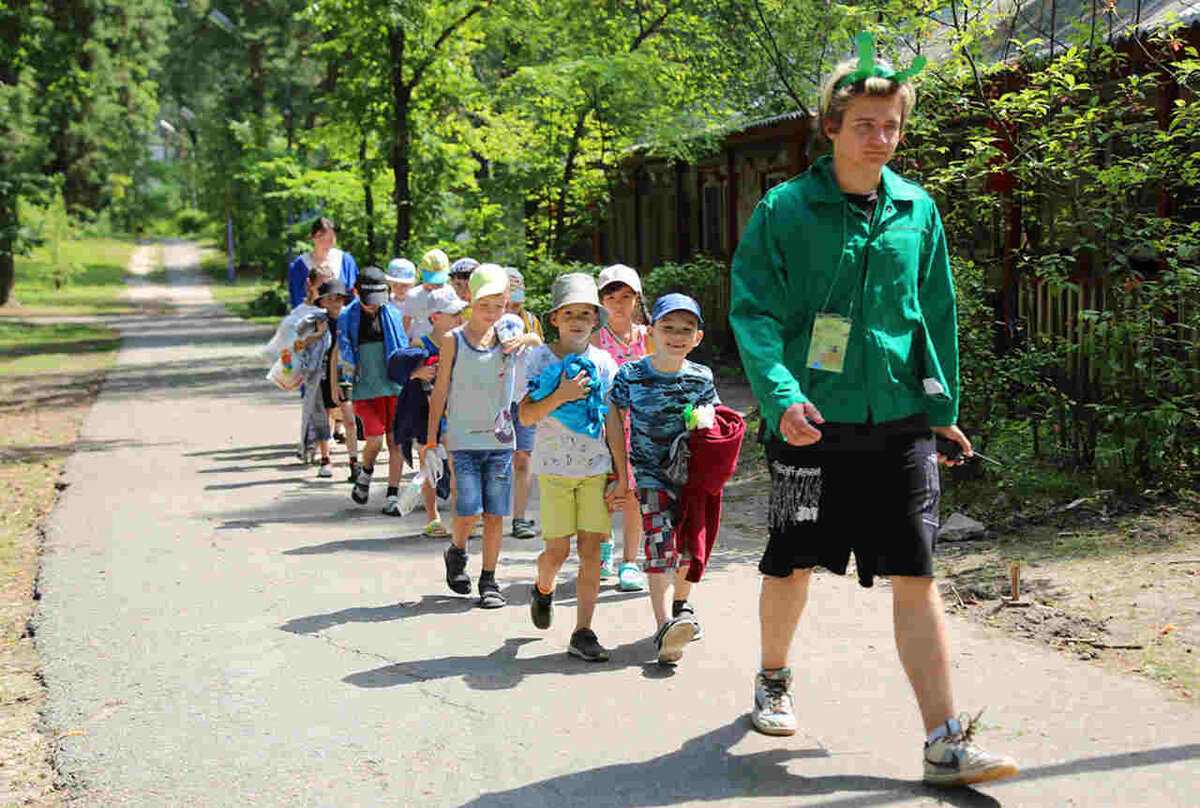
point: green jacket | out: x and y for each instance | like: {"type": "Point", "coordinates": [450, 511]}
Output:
{"type": "Point", "coordinates": [805, 244]}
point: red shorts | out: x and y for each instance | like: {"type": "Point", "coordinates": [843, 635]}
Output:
{"type": "Point", "coordinates": [663, 553]}
{"type": "Point", "coordinates": [377, 415]}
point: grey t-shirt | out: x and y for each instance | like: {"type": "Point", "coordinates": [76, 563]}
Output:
{"type": "Point", "coordinates": [416, 308]}
{"type": "Point", "coordinates": [480, 398]}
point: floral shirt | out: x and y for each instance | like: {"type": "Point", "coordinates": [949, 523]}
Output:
{"type": "Point", "coordinates": [622, 351]}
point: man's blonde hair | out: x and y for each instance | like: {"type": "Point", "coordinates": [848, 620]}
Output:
{"type": "Point", "coordinates": [835, 100]}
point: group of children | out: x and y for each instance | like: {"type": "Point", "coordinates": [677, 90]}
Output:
{"type": "Point", "coordinates": [610, 401]}
{"type": "Point", "coordinates": [447, 358]}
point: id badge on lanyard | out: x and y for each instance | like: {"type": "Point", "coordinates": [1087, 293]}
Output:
{"type": "Point", "coordinates": [827, 348]}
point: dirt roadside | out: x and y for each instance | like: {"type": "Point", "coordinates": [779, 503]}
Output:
{"type": "Point", "coordinates": [1115, 582]}
{"type": "Point", "coordinates": [42, 426]}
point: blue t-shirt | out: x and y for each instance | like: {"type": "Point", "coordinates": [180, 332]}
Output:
{"type": "Point", "coordinates": [656, 402]}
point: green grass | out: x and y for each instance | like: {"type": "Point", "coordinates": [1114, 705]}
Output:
{"type": "Point", "coordinates": [94, 288]}
{"type": "Point", "coordinates": [237, 296]}
{"type": "Point", "coordinates": [33, 348]}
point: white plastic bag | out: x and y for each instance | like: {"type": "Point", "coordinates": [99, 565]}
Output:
{"type": "Point", "coordinates": [284, 373]}
{"type": "Point", "coordinates": [285, 334]}
{"type": "Point", "coordinates": [410, 494]}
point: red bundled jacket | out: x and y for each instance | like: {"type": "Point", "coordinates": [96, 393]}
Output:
{"type": "Point", "coordinates": [714, 458]}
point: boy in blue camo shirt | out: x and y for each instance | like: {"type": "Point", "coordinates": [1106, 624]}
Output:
{"type": "Point", "coordinates": [655, 390]}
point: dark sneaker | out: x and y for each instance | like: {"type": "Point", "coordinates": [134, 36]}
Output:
{"type": "Point", "coordinates": [585, 646]}
{"type": "Point", "coordinates": [523, 529]}
{"type": "Point", "coordinates": [541, 607]}
{"type": "Point", "coordinates": [955, 760]}
{"type": "Point", "coordinates": [685, 609]}
{"type": "Point", "coordinates": [773, 713]}
{"type": "Point", "coordinates": [361, 491]}
{"type": "Point", "coordinates": [672, 637]}
{"type": "Point", "coordinates": [490, 596]}
{"type": "Point", "coordinates": [456, 570]}
{"type": "Point", "coordinates": [354, 469]}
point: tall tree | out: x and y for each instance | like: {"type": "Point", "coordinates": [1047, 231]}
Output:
{"type": "Point", "coordinates": [20, 28]}
{"type": "Point", "coordinates": [96, 92]}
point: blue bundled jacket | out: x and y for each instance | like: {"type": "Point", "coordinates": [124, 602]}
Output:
{"type": "Point", "coordinates": [586, 415]}
{"type": "Point", "coordinates": [395, 342]}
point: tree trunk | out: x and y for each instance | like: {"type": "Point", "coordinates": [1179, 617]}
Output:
{"type": "Point", "coordinates": [556, 241]}
{"type": "Point", "coordinates": [71, 139]}
{"type": "Point", "coordinates": [368, 199]}
{"type": "Point", "coordinates": [401, 96]}
{"type": "Point", "coordinates": [10, 40]}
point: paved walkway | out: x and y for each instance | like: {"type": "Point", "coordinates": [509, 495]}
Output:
{"type": "Point", "coordinates": [219, 627]}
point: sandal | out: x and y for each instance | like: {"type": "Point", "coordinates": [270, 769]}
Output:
{"type": "Point", "coordinates": [436, 529]}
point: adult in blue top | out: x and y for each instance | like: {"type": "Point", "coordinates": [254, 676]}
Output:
{"type": "Point", "coordinates": [324, 236]}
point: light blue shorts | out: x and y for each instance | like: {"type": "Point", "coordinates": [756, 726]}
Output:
{"type": "Point", "coordinates": [526, 435]}
{"type": "Point", "coordinates": [484, 478]}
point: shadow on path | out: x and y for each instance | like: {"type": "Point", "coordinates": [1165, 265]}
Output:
{"type": "Point", "coordinates": [704, 770]}
{"type": "Point", "coordinates": [503, 670]}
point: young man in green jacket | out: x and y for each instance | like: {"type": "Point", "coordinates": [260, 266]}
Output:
{"type": "Point", "coordinates": [843, 309]}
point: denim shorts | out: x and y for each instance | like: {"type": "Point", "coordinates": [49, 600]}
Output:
{"type": "Point", "coordinates": [484, 478]}
{"type": "Point", "coordinates": [526, 435]}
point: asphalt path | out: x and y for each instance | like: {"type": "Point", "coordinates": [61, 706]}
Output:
{"type": "Point", "coordinates": [220, 627]}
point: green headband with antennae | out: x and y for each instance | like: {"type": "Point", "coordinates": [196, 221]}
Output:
{"type": "Point", "coordinates": [867, 67]}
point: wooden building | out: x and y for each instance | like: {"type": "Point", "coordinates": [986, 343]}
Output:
{"type": "Point", "coordinates": [670, 212]}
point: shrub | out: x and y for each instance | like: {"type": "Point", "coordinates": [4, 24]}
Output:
{"type": "Point", "coordinates": [191, 222]}
{"type": "Point", "coordinates": [271, 303]}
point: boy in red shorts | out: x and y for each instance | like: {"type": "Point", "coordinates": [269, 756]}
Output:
{"type": "Point", "coordinates": [370, 332]}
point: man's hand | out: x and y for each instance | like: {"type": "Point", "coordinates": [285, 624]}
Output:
{"type": "Point", "coordinates": [796, 424]}
{"type": "Point", "coordinates": [955, 434]}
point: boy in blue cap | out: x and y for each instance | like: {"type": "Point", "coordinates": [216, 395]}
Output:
{"type": "Point", "coordinates": [655, 390]}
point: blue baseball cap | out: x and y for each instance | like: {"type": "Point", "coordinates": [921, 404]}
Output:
{"type": "Point", "coordinates": [675, 301]}
{"type": "Point", "coordinates": [401, 270]}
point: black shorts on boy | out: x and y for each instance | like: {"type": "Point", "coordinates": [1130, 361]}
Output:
{"type": "Point", "coordinates": [870, 489]}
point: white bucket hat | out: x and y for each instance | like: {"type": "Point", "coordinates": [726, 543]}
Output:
{"type": "Point", "coordinates": [577, 287]}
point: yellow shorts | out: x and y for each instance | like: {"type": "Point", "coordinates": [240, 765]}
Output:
{"type": "Point", "coordinates": [572, 504]}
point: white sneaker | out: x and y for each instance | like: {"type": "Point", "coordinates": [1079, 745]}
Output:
{"type": "Point", "coordinates": [954, 760]}
{"type": "Point", "coordinates": [392, 506]}
{"type": "Point", "coordinates": [774, 711]}
{"type": "Point", "coordinates": [325, 470]}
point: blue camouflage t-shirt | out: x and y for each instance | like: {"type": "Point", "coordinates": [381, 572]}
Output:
{"type": "Point", "coordinates": [656, 402]}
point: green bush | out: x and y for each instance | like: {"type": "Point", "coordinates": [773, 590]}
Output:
{"type": "Point", "coordinates": [191, 222]}
{"type": "Point", "coordinates": [700, 278]}
{"type": "Point", "coordinates": [271, 303]}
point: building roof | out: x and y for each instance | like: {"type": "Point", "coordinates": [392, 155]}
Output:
{"type": "Point", "coordinates": [1026, 20]}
